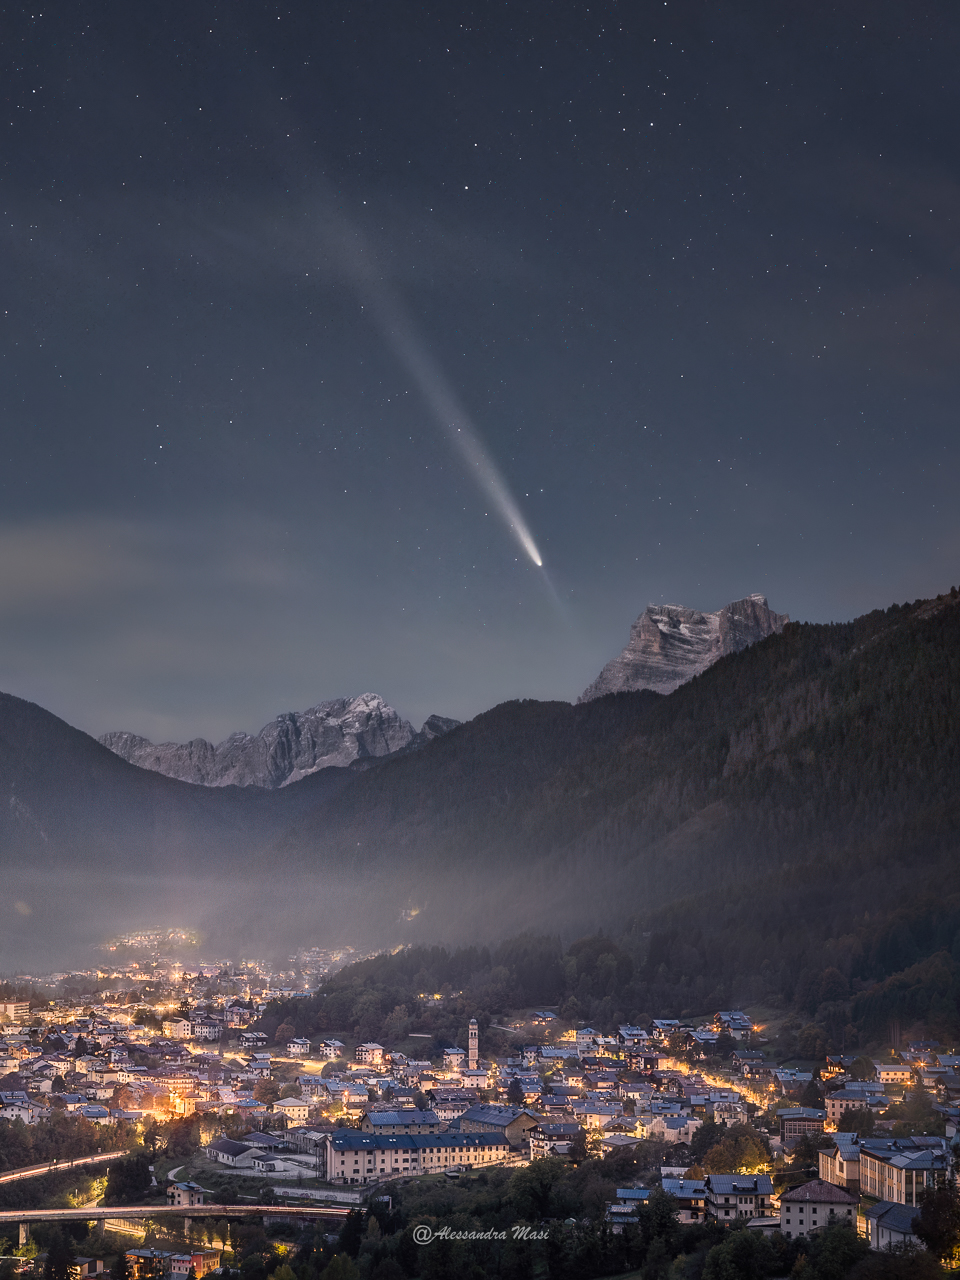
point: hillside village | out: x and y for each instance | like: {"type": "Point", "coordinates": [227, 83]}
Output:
{"type": "Point", "coordinates": [704, 1112]}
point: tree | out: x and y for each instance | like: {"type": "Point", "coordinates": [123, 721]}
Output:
{"type": "Point", "coordinates": [578, 1147]}
{"type": "Point", "coordinates": [351, 1235]}
{"type": "Point", "coordinates": [857, 1120]}
{"type": "Point", "coordinates": [120, 1270]}
{"type": "Point", "coordinates": [812, 1095]}
{"type": "Point", "coordinates": [61, 1257]}
{"type": "Point", "coordinates": [906, 1261]}
{"type": "Point", "coordinates": [128, 1180]}
{"type": "Point", "coordinates": [806, 1149]}
{"type": "Point", "coordinates": [862, 1068]}
{"type": "Point", "coordinates": [515, 1093]}
{"type": "Point", "coordinates": [340, 1267]}
{"type": "Point", "coordinates": [707, 1136]}
{"type": "Point", "coordinates": [938, 1222]}
{"type": "Point", "coordinates": [59, 1084]}
{"type": "Point", "coordinates": [266, 1091]}
{"type": "Point", "coordinates": [79, 1047]}
{"type": "Point", "coordinates": [746, 1255]}
{"type": "Point", "coordinates": [152, 1138]}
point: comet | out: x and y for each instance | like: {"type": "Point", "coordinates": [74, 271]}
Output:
{"type": "Point", "coordinates": [400, 333]}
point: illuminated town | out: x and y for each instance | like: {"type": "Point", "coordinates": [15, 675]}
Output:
{"type": "Point", "coordinates": [185, 1058]}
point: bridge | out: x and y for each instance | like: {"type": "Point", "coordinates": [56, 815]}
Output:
{"type": "Point", "coordinates": [58, 1166]}
{"type": "Point", "coordinates": [102, 1214]}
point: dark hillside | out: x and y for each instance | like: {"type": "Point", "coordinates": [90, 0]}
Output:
{"type": "Point", "coordinates": [772, 815]}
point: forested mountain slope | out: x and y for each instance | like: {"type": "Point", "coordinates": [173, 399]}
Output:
{"type": "Point", "coordinates": [772, 816]}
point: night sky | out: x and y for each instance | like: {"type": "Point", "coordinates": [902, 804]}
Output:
{"type": "Point", "coordinates": [297, 300]}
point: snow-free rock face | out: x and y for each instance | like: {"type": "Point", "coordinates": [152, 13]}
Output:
{"type": "Point", "coordinates": [294, 745]}
{"type": "Point", "coordinates": [670, 645]}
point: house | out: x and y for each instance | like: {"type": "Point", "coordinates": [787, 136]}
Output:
{"type": "Point", "coordinates": [900, 1169]}
{"type": "Point", "coordinates": [631, 1037]}
{"type": "Point", "coordinates": [691, 1197]}
{"type": "Point", "coordinates": [185, 1193]}
{"type": "Point", "coordinates": [840, 1164]}
{"type": "Point", "coordinates": [407, 1120]}
{"type": "Point", "coordinates": [96, 1114]}
{"type": "Point", "coordinates": [885, 1224]}
{"type": "Point", "coordinates": [815, 1205]}
{"type": "Point", "coordinates": [206, 1029]}
{"type": "Point", "coordinates": [552, 1139]}
{"type": "Point", "coordinates": [253, 1039]}
{"type": "Point", "coordinates": [265, 1162]}
{"type": "Point", "coordinates": [628, 1204]}
{"type": "Point", "coordinates": [734, 1022]}
{"type": "Point", "coordinates": [852, 1099]}
{"type": "Point", "coordinates": [739, 1195]}
{"type": "Point", "coordinates": [514, 1123]}
{"type": "Point", "coordinates": [330, 1049]}
{"type": "Point", "coordinates": [295, 1109]}
{"type": "Point", "coordinates": [369, 1053]}
{"type": "Point", "coordinates": [747, 1061]}
{"type": "Point", "coordinates": [15, 1010]}
{"type": "Point", "coordinates": [177, 1028]}
{"type": "Point", "coordinates": [663, 1028]}
{"type": "Point", "coordinates": [450, 1104]}
{"type": "Point", "coordinates": [226, 1151]}
{"type": "Point", "coordinates": [796, 1121]}
{"type": "Point", "coordinates": [586, 1040]}
{"type": "Point", "coordinates": [836, 1065]}
{"type": "Point", "coordinates": [893, 1073]}
{"type": "Point", "coordinates": [453, 1058]}
{"type": "Point", "coordinates": [87, 1268]}
{"type": "Point", "coordinates": [146, 1264]}
{"type": "Point", "coordinates": [674, 1129]}
{"type": "Point", "coordinates": [354, 1157]}
{"type": "Point", "coordinates": [201, 1261]}
{"type": "Point", "coordinates": [298, 1048]}
{"type": "Point", "coordinates": [17, 1106]}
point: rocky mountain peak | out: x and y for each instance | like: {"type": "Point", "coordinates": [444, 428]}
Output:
{"type": "Point", "coordinates": [290, 747]}
{"type": "Point", "coordinates": [670, 644]}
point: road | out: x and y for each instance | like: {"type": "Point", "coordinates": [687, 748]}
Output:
{"type": "Point", "coordinates": [56, 1166]}
{"type": "Point", "coordinates": [116, 1214]}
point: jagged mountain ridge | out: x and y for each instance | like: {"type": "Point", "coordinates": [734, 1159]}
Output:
{"type": "Point", "coordinates": [293, 746]}
{"type": "Point", "coordinates": [670, 644]}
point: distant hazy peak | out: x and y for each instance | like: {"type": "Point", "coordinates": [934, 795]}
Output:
{"type": "Point", "coordinates": [670, 644]}
{"type": "Point", "coordinates": [295, 744]}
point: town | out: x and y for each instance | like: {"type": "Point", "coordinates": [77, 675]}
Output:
{"type": "Point", "coordinates": [704, 1113]}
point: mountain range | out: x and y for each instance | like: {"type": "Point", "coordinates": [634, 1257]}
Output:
{"type": "Point", "coordinates": [670, 644]}
{"type": "Point", "coordinates": [293, 746]}
{"type": "Point", "coordinates": [793, 807]}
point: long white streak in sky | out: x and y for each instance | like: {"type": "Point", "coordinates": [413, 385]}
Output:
{"type": "Point", "coordinates": [459, 428]}
{"type": "Point", "coordinates": [400, 332]}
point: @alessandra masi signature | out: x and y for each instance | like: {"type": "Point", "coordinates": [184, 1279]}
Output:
{"type": "Point", "coordinates": [424, 1234]}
